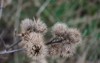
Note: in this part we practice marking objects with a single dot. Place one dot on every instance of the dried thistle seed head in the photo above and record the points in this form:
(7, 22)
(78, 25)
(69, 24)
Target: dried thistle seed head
(68, 51)
(26, 25)
(55, 50)
(35, 47)
(61, 50)
(59, 29)
(40, 26)
(74, 36)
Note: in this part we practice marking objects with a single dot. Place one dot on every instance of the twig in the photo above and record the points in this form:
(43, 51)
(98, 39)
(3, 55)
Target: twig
(41, 9)
(55, 40)
(7, 51)
(3, 42)
(12, 51)
(14, 44)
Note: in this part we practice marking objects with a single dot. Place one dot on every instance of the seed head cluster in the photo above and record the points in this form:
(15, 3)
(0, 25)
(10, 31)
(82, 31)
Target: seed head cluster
(36, 47)
(59, 29)
(39, 26)
(74, 36)
(69, 39)
(33, 39)
(62, 44)
(26, 25)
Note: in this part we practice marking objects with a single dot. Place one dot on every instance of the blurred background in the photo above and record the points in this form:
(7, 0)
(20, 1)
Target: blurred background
(81, 14)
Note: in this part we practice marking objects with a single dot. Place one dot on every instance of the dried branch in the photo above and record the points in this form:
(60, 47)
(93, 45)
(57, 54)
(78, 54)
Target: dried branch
(7, 51)
(14, 44)
(16, 50)
(11, 51)
(3, 42)
(55, 40)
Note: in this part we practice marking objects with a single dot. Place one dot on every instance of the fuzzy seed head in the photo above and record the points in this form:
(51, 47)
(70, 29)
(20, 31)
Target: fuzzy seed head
(55, 50)
(69, 39)
(74, 36)
(26, 25)
(34, 46)
(68, 50)
(61, 50)
(39, 26)
(59, 29)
